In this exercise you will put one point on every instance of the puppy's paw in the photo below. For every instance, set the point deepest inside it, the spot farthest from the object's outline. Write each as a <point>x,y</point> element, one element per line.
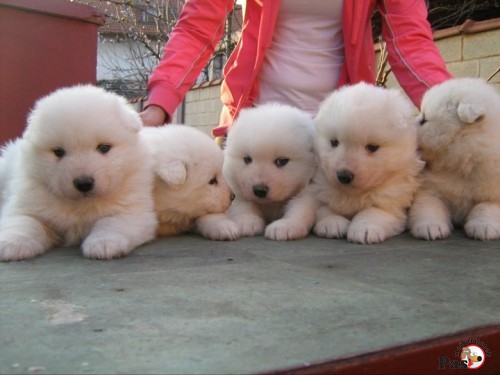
<point>333,226</point>
<point>250,225</point>
<point>217,227</point>
<point>285,229</point>
<point>430,230</point>
<point>366,233</point>
<point>105,247</point>
<point>482,230</point>
<point>19,249</point>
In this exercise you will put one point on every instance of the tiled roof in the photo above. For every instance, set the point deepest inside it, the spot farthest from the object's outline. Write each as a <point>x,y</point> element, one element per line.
<point>113,9</point>
<point>118,11</point>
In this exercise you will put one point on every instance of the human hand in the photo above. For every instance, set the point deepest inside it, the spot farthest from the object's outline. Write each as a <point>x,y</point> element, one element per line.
<point>153,116</point>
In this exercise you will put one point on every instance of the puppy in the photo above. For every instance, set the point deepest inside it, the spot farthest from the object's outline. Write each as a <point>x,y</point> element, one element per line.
<point>369,167</point>
<point>269,159</point>
<point>80,174</point>
<point>189,182</point>
<point>459,138</point>
<point>7,157</point>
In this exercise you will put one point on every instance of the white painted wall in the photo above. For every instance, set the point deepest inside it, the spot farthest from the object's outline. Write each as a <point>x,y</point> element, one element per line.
<point>115,59</point>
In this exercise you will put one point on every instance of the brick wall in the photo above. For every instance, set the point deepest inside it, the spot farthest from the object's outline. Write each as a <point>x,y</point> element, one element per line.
<point>203,106</point>
<point>470,50</point>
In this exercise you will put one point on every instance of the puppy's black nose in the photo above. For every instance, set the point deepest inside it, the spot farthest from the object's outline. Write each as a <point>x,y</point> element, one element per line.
<point>479,358</point>
<point>345,177</point>
<point>83,184</point>
<point>260,190</point>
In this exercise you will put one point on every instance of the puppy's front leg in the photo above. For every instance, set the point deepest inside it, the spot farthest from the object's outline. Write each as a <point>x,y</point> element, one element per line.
<point>297,221</point>
<point>247,216</point>
<point>429,218</point>
<point>116,236</point>
<point>483,222</point>
<point>374,225</point>
<point>329,224</point>
<point>23,237</point>
<point>217,227</point>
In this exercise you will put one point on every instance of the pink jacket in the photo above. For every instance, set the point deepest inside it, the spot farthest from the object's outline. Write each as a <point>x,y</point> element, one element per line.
<point>414,59</point>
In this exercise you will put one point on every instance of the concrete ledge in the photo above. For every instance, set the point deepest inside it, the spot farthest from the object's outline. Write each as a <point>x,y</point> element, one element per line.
<point>186,305</point>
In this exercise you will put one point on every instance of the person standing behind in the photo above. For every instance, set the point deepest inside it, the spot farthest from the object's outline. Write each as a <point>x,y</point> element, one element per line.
<point>293,52</point>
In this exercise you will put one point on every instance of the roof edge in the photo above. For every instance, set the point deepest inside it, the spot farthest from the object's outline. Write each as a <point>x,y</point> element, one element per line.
<point>58,8</point>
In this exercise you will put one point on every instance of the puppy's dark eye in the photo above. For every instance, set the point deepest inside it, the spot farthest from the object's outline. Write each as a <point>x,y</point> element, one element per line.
<point>371,148</point>
<point>103,148</point>
<point>247,159</point>
<point>59,152</point>
<point>334,143</point>
<point>281,162</point>
<point>213,181</point>
<point>422,120</point>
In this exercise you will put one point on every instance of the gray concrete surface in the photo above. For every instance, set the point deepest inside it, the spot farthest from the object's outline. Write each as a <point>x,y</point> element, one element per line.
<point>189,305</point>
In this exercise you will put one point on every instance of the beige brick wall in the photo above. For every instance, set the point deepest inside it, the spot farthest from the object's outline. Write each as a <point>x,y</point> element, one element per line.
<point>473,53</point>
<point>202,107</point>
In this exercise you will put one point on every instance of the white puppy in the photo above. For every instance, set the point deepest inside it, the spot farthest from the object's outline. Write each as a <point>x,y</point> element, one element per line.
<point>8,155</point>
<point>459,138</point>
<point>369,165</point>
<point>189,182</point>
<point>269,159</point>
<point>80,174</point>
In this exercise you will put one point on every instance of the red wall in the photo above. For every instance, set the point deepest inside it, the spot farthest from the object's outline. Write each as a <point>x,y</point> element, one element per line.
<point>44,45</point>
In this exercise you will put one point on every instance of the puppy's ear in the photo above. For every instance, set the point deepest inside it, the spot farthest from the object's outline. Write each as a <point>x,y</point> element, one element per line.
<point>406,111</point>
<point>130,118</point>
<point>469,113</point>
<point>173,173</point>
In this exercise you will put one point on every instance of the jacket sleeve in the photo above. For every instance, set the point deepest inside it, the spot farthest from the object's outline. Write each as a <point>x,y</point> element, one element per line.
<point>191,43</point>
<point>414,58</point>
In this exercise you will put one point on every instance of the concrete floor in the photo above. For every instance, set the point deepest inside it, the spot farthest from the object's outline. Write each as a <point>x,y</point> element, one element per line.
<point>189,305</point>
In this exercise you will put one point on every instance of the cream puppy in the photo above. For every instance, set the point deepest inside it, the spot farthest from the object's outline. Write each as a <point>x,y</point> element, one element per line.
<point>79,175</point>
<point>189,182</point>
<point>369,166</point>
<point>8,155</point>
<point>268,161</point>
<point>459,138</point>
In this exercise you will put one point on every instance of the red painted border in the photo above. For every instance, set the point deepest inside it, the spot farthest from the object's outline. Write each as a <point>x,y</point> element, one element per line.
<point>420,358</point>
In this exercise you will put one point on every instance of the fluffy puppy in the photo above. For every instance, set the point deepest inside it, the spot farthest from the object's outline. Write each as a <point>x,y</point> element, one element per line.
<point>269,159</point>
<point>7,158</point>
<point>459,137</point>
<point>80,174</point>
<point>369,165</point>
<point>189,182</point>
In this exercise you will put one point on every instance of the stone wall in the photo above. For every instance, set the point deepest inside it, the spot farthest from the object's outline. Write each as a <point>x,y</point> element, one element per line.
<point>470,50</point>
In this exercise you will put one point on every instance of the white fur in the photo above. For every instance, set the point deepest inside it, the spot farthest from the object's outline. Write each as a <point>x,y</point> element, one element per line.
<point>189,184</point>
<point>264,136</point>
<point>459,138</point>
<point>43,208</point>
<point>8,157</point>
<point>372,207</point>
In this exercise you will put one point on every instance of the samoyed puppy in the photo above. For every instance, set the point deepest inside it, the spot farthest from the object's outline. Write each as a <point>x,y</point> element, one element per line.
<point>369,166</point>
<point>7,157</point>
<point>79,175</point>
<point>268,161</point>
<point>459,138</point>
<point>189,183</point>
